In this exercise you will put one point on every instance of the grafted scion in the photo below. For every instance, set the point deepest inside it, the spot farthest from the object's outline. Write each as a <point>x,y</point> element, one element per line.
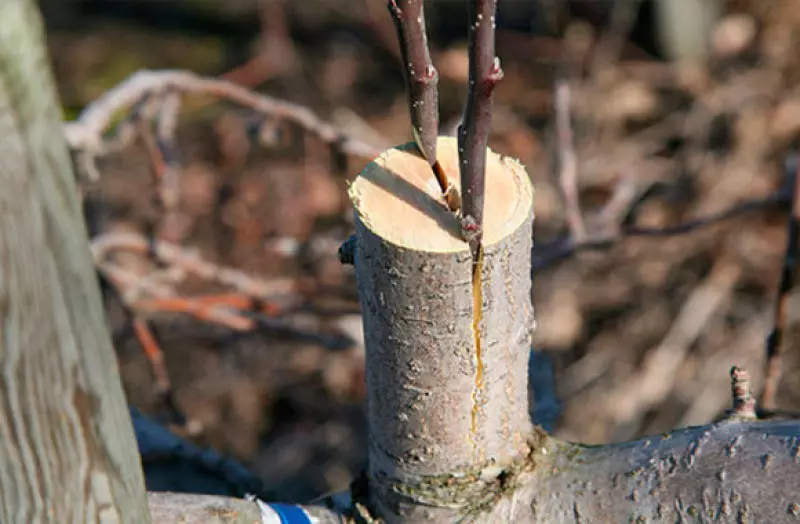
<point>422,82</point>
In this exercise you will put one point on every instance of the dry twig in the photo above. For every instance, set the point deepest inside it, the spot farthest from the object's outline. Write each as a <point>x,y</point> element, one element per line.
<point>174,255</point>
<point>567,160</point>
<point>85,135</point>
<point>773,346</point>
<point>548,254</point>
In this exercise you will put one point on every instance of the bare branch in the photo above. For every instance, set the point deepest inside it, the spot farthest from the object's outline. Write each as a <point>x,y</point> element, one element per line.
<point>558,250</point>
<point>473,133</point>
<point>85,134</point>
<point>175,255</point>
<point>773,346</point>
<point>567,160</point>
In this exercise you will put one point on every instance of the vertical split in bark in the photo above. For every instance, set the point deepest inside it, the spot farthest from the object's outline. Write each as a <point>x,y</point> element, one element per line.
<point>473,137</point>
<point>415,281</point>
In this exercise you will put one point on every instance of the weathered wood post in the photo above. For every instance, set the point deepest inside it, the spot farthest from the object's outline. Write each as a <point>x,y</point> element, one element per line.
<point>67,448</point>
<point>447,363</point>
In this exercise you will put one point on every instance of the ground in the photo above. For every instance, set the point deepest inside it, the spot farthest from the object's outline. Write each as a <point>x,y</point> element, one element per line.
<point>642,330</point>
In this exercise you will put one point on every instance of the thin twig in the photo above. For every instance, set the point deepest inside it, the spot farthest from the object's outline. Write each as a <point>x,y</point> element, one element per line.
<point>774,344</point>
<point>160,175</point>
<point>567,160</point>
<point>609,49</point>
<point>153,353</point>
<point>421,77</point>
<point>86,133</point>
<point>175,255</point>
<point>473,134</point>
<point>166,127</point>
<point>548,254</point>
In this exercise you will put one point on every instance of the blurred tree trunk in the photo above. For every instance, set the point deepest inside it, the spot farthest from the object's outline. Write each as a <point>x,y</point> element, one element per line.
<point>68,451</point>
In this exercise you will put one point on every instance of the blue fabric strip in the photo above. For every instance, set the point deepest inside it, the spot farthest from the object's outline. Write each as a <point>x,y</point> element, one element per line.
<point>290,514</point>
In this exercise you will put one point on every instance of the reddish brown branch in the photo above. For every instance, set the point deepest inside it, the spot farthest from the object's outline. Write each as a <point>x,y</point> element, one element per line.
<point>774,344</point>
<point>473,133</point>
<point>421,77</point>
<point>422,83</point>
<point>153,353</point>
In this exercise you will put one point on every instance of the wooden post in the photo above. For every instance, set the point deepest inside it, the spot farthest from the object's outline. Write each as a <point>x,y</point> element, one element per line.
<point>447,383</point>
<point>67,448</point>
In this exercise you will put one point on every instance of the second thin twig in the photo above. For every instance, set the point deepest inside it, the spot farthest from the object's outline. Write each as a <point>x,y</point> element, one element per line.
<point>473,133</point>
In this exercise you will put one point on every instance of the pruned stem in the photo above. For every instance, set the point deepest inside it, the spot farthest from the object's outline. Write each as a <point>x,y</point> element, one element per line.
<point>473,133</point>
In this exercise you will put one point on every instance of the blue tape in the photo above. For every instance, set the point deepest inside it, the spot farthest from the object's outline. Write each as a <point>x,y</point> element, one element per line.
<point>290,514</point>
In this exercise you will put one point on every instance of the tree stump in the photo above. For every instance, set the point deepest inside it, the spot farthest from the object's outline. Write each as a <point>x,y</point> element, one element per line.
<point>447,355</point>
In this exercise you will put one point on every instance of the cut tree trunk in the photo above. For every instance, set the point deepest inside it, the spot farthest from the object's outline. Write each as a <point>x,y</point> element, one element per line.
<point>67,448</point>
<point>449,434</point>
<point>447,358</point>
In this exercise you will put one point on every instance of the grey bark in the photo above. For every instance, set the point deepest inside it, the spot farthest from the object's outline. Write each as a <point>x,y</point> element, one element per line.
<point>446,442</point>
<point>439,406</point>
<point>428,463</point>
<point>67,450</point>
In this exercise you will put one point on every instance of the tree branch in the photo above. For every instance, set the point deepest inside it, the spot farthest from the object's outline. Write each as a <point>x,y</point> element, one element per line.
<point>773,345</point>
<point>85,134</point>
<point>567,160</point>
<point>548,254</point>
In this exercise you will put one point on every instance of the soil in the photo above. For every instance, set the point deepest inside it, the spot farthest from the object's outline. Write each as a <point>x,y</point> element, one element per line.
<point>642,331</point>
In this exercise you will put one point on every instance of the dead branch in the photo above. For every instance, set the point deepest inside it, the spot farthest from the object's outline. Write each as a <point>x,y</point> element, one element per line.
<point>773,346</point>
<point>86,134</point>
<point>191,262</point>
<point>567,160</point>
<point>548,254</point>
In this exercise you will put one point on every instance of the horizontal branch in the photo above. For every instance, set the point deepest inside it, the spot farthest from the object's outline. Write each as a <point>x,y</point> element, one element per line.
<point>548,254</point>
<point>212,509</point>
<point>85,134</point>
<point>191,262</point>
<point>731,471</point>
